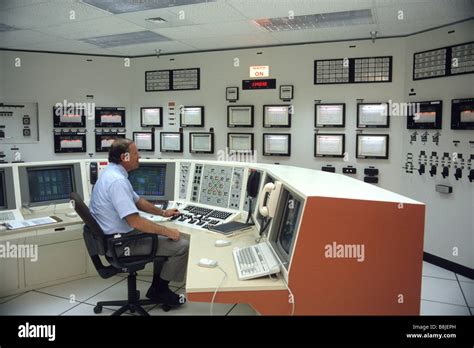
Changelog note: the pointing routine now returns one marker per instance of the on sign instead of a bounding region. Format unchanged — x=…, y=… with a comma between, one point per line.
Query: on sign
x=260, y=71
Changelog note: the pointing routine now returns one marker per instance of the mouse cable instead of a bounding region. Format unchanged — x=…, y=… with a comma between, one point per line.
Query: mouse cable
x=222, y=281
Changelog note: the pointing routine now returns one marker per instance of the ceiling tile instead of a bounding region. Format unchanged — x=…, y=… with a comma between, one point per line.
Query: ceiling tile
x=211, y=12
x=55, y=12
x=232, y=41
x=13, y=39
x=92, y=28
x=149, y=49
x=7, y=4
x=215, y=30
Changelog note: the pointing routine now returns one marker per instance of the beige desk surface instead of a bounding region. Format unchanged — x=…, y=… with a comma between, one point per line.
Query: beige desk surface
x=198, y=279
x=201, y=279
x=37, y=230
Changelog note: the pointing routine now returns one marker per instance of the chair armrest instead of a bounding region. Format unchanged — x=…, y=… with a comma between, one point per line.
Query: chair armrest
x=121, y=262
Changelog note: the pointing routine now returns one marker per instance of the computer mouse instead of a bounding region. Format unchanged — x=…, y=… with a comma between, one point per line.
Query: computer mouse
x=71, y=214
x=207, y=263
x=222, y=243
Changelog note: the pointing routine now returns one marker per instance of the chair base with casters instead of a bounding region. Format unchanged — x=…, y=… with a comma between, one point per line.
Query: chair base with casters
x=133, y=304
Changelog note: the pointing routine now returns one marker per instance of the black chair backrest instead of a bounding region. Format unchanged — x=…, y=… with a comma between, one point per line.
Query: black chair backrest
x=93, y=237
x=93, y=228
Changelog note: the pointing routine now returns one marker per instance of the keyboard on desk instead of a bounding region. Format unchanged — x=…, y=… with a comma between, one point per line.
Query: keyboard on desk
x=7, y=216
x=203, y=218
x=255, y=261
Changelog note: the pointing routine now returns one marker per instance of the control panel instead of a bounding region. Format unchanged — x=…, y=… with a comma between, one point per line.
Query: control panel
x=196, y=182
x=204, y=218
x=236, y=188
x=215, y=186
x=184, y=173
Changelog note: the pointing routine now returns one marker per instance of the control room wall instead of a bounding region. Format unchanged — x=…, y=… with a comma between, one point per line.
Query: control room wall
x=449, y=229
x=289, y=65
x=50, y=78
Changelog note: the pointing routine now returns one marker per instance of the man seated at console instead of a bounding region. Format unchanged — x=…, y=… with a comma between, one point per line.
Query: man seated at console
x=115, y=206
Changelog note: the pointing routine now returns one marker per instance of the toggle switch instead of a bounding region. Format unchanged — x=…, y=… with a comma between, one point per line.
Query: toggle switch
x=458, y=173
x=471, y=175
x=445, y=172
x=433, y=171
x=421, y=170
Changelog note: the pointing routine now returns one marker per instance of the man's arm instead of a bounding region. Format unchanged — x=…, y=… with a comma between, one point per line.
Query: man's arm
x=144, y=225
x=150, y=208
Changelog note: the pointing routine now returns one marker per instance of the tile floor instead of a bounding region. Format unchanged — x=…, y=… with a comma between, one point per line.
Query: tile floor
x=443, y=293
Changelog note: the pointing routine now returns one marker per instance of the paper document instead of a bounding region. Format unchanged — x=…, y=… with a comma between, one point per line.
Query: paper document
x=14, y=224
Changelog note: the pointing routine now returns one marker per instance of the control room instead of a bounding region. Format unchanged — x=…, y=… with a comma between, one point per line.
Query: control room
x=236, y=158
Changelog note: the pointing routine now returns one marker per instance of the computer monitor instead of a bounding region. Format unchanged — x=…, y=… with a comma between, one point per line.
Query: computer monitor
x=201, y=142
x=276, y=144
x=192, y=116
x=109, y=117
x=70, y=142
x=425, y=115
x=103, y=141
x=171, y=142
x=372, y=115
x=145, y=141
x=285, y=226
x=462, y=113
x=154, y=181
x=69, y=117
x=329, y=115
x=45, y=185
x=329, y=145
x=239, y=116
x=240, y=142
x=151, y=116
x=374, y=146
x=276, y=116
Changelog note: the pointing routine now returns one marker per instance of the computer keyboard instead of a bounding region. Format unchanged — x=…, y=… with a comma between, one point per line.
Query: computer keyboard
x=6, y=216
x=255, y=261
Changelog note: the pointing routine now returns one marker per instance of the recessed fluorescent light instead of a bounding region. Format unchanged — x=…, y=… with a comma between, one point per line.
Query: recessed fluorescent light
x=126, y=6
x=125, y=39
x=315, y=21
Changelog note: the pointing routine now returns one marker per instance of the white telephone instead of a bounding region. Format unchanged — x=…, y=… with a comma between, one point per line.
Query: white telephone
x=274, y=190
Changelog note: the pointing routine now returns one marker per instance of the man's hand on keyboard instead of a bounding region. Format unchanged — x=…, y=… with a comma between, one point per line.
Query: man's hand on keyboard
x=170, y=212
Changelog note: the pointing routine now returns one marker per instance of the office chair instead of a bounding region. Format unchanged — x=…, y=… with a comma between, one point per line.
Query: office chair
x=97, y=245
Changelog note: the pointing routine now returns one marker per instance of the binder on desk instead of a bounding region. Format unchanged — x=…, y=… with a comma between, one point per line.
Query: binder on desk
x=16, y=224
x=230, y=227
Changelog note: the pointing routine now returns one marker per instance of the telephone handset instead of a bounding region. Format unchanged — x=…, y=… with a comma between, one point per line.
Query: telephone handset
x=268, y=209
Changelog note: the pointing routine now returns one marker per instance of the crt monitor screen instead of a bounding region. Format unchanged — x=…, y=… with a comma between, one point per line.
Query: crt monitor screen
x=50, y=184
x=285, y=227
x=153, y=181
